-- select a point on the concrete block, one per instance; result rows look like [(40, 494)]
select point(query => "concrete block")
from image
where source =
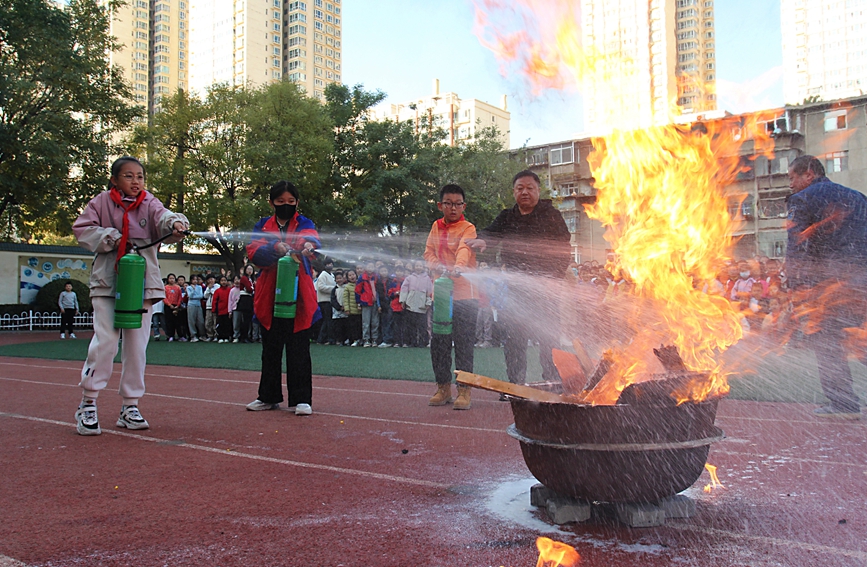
[(540, 494), (640, 515), (678, 506), (564, 510)]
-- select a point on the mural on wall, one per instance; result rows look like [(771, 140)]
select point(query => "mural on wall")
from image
[(36, 271)]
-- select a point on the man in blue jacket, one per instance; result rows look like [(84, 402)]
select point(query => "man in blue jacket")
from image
[(827, 244)]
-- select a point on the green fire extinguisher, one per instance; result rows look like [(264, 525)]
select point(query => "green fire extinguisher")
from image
[(129, 292), (443, 305), (286, 294)]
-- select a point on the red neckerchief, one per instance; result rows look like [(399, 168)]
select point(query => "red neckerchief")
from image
[(443, 244), (117, 198)]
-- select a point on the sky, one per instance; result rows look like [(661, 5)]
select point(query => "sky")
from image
[(400, 46)]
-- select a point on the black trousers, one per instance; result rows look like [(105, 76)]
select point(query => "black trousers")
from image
[(299, 368), (463, 336), (245, 308), (325, 333), (415, 328), (67, 318), (224, 327), (398, 323), (528, 316)]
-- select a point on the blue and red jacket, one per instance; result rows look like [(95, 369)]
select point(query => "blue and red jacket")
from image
[(266, 234), (365, 293), (392, 287)]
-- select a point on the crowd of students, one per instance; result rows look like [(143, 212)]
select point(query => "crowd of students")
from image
[(209, 308), (388, 305)]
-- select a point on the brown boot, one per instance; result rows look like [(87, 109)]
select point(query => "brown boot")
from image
[(463, 401), (443, 395)]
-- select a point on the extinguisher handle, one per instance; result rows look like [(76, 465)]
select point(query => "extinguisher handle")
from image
[(155, 242)]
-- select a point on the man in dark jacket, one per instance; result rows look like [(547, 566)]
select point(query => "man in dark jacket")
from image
[(535, 248), (827, 244)]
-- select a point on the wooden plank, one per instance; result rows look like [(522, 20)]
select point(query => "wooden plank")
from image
[(526, 392), (571, 374), (587, 363)]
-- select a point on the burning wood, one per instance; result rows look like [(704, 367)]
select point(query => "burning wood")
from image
[(601, 370), (670, 358)]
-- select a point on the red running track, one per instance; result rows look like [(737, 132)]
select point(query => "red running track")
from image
[(378, 478)]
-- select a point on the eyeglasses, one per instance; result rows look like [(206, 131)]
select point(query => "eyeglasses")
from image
[(452, 205)]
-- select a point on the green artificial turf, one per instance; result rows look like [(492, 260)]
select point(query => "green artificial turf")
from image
[(788, 377), (384, 363)]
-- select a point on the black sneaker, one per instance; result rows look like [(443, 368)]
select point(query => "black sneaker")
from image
[(131, 418), (86, 420)]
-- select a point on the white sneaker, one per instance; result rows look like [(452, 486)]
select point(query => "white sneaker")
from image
[(86, 421), (234, 340), (303, 409), (72, 336), (258, 405), (62, 335), (193, 340), (130, 418)]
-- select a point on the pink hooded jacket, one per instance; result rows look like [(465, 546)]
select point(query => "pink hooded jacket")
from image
[(98, 229)]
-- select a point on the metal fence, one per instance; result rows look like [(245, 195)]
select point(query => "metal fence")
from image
[(34, 321)]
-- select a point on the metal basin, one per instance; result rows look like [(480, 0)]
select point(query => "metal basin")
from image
[(620, 453)]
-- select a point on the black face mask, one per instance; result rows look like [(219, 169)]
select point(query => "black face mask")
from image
[(285, 212)]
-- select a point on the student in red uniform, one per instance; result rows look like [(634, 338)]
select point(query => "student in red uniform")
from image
[(283, 233), (220, 307)]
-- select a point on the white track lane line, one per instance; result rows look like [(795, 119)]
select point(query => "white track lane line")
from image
[(242, 455), (236, 404)]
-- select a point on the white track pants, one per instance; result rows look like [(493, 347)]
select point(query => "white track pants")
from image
[(103, 348)]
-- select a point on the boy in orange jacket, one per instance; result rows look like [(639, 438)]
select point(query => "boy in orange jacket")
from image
[(447, 252)]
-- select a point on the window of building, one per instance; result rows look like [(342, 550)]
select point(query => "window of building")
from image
[(561, 154), (835, 120), (835, 162)]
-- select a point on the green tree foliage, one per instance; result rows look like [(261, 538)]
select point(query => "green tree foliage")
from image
[(169, 143), (60, 104), (484, 170), (215, 160)]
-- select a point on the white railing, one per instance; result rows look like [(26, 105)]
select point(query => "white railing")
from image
[(34, 321)]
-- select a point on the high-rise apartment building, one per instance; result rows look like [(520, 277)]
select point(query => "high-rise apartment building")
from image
[(261, 41), (824, 49), (312, 43), (461, 119), (653, 60), (154, 47)]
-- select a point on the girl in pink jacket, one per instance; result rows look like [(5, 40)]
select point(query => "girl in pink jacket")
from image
[(111, 224)]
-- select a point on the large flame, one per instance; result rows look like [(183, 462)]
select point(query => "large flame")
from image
[(660, 194), (554, 553)]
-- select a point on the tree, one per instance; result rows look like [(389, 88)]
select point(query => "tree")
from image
[(169, 143), (484, 170), (290, 137), (385, 173), (60, 105), (217, 158)]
